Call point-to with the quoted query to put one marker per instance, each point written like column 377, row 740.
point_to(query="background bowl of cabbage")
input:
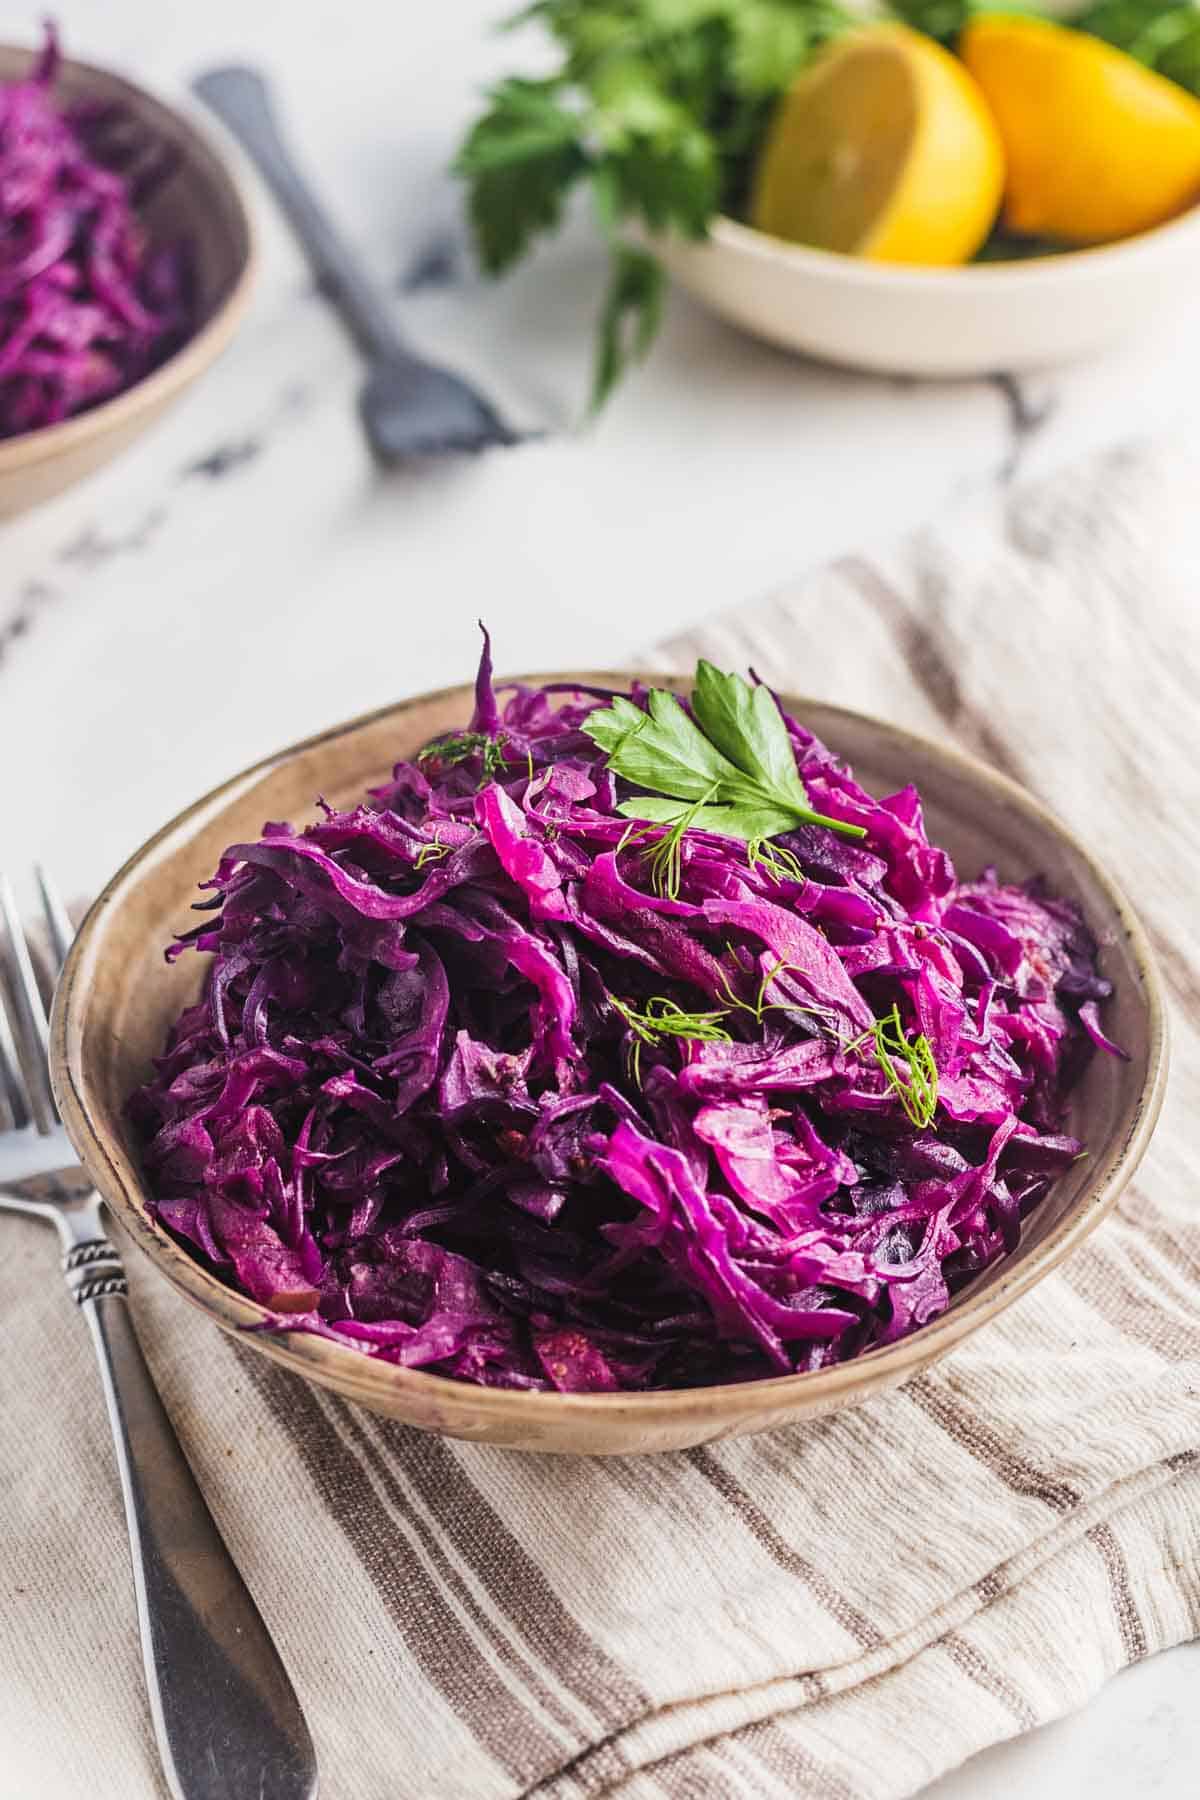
column 200, row 203
column 117, row 998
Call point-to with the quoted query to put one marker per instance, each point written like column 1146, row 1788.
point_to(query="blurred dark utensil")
column 409, row 407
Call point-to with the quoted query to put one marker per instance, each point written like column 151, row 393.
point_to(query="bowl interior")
column 117, row 999
column 198, row 202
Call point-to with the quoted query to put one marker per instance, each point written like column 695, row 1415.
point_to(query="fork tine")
column 59, row 928
column 27, row 1016
column 13, row 1111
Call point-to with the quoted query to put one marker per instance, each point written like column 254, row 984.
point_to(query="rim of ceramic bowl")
column 1079, row 264
column 360, row 1377
column 206, row 344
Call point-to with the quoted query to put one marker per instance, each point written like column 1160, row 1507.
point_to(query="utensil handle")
column 227, row 1721
column 240, row 97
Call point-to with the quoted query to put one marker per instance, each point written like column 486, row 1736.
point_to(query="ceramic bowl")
column 200, row 201
column 117, row 998
column 973, row 320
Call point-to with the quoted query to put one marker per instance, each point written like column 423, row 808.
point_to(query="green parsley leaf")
column 629, row 319
column 520, row 160
column 769, row 44
column 659, row 105
column 731, row 766
column 745, row 723
column 661, row 749
column 747, row 822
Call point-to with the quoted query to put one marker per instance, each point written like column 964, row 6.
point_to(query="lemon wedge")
column 1098, row 147
column 882, row 148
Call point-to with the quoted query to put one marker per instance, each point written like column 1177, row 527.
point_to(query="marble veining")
column 31, row 597
column 1029, row 407
column 93, row 546
column 216, row 464
column 439, row 262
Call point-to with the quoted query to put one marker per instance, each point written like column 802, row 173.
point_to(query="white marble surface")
column 244, row 577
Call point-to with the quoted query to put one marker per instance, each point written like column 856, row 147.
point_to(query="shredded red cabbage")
column 411, row 1111
column 87, row 305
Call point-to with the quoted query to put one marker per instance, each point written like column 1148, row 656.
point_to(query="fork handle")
column 241, row 99
column 227, row 1721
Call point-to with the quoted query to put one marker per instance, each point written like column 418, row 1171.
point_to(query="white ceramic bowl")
column 918, row 321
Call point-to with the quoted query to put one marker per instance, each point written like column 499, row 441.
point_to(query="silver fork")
column 225, row 1716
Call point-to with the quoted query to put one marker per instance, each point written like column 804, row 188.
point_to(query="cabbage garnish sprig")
column 729, row 762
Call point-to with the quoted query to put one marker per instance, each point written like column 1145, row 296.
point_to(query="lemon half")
column 883, row 148
column 1098, row 147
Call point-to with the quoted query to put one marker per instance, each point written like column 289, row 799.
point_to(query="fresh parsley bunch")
column 657, row 107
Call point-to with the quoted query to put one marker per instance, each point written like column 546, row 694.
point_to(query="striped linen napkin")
column 841, row 1610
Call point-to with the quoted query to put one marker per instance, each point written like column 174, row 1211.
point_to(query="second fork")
column 225, row 1716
